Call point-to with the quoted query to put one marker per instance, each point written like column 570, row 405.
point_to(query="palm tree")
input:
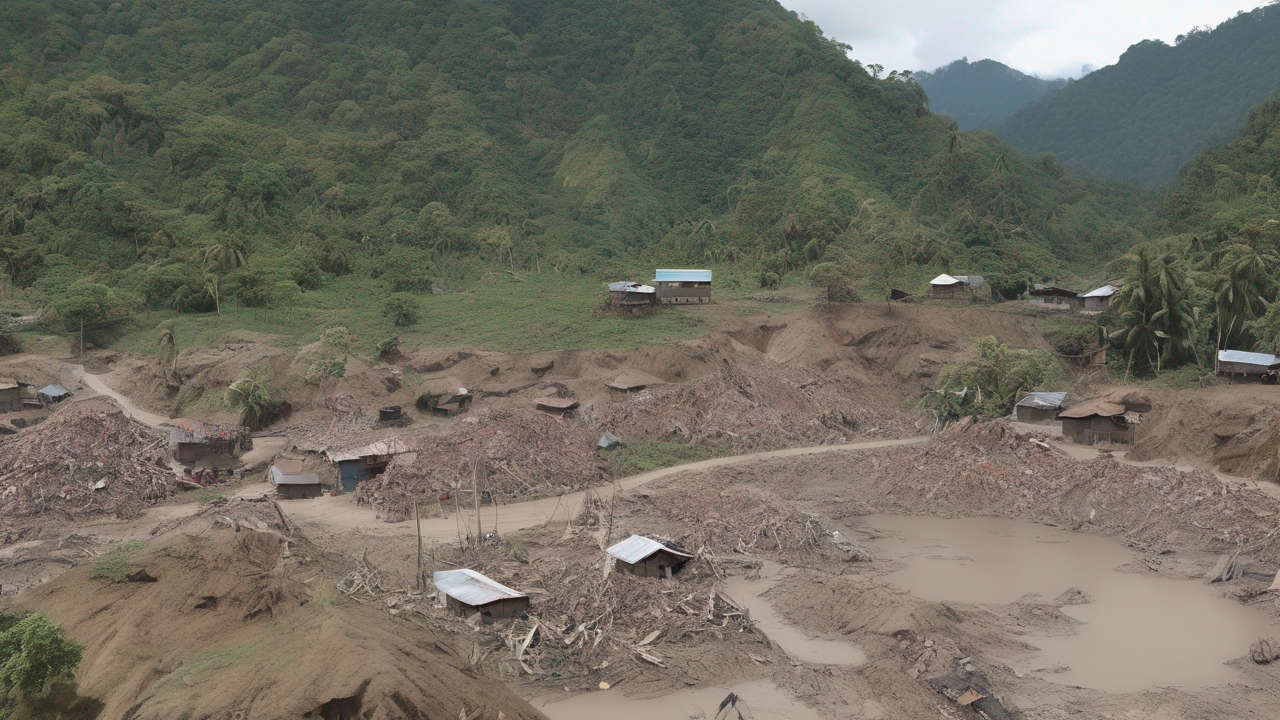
column 251, row 393
column 1157, row 317
column 169, row 348
column 1243, row 290
column 211, row 289
column 225, row 254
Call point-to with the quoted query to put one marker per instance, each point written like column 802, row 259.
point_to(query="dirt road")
column 341, row 514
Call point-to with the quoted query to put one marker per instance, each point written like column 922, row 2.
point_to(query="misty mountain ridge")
column 982, row 93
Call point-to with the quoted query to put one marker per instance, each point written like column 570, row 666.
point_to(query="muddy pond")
column 1140, row 631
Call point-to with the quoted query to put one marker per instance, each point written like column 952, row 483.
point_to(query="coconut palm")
column 211, row 289
column 225, row 254
column 1242, row 291
column 169, row 349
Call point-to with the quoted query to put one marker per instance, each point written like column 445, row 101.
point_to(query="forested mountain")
column 981, row 94
column 252, row 149
column 1148, row 115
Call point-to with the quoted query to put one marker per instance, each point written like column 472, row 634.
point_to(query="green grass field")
column 539, row 312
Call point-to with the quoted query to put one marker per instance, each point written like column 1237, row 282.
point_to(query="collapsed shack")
column 644, row 557
column 192, row 440
column 88, row 459
column 507, row 455
column 469, row 593
column 750, row 408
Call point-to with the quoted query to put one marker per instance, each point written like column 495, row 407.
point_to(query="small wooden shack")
column 1055, row 298
column 627, row 295
column 1098, row 421
column 682, row 286
column 192, row 440
column 10, row 395
column 960, row 287
column 563, row 407
column 467, row 592
column 647, row 558
column 53, row 394
column 1245, row 366
column 1040, row 408
column 294, row 485
column 364, row 461
column 1099, row 299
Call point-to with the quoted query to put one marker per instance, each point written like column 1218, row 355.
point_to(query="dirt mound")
column 751, row 408
column 1235, row 428
column 88, row 459
column 246, row 624
column 519, row 453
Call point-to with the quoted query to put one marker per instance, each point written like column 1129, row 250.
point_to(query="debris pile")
column 86, row 460
column 751, row 408
column 511, row 454
column 744, row 520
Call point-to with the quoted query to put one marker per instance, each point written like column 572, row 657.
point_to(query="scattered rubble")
column 750, row 408
column 509, row 454
column 1265, row 651
column 88, row 459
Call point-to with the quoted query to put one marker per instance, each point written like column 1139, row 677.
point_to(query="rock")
column 1265, row 651
column 1073, row 596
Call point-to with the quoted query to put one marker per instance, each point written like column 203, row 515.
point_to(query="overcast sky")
column 1052, row 38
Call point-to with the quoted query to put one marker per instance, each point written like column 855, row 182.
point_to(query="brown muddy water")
column 797, row 643
column 765, row 700
column 1140, row 631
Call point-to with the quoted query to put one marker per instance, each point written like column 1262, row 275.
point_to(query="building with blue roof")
column 679, row 287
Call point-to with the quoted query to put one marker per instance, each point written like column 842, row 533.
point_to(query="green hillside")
column 224, row 151
column 981, row 94
column 1148, row 115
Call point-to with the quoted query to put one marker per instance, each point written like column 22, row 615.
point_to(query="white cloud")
column 1052, row 38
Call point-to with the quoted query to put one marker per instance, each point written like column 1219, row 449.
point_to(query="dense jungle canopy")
column 170, row 148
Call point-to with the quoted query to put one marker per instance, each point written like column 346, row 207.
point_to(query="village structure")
column 669, row 287
column 468, row 593
column 1239, row 366
column 960, row 287
column 647, row 558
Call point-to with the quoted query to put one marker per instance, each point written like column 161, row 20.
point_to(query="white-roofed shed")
column 643, row 556
column 467, row 592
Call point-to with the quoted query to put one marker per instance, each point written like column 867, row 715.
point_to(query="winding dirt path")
column 341, row 514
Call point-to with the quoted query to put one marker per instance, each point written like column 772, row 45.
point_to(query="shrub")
column 387, row 348
column 769, row 280
column 425, row 402
column 402, row 308
column 34, row 654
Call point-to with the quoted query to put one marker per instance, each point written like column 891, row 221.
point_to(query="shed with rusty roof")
column 646, row 557
column 361, row 462
column 467, row 593
column 1099, row 421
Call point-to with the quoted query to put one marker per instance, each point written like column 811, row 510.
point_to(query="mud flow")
column 796, row 642
column 761, row 699
column 1137, row 631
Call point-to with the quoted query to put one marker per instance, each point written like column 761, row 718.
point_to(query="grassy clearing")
column 540, row 312
column 647, row 455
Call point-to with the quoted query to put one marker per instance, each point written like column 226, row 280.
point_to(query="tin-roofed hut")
column 52, row 394
column 364, row 461
column 631, row 296
column 642, row 556
column 563, row 407
column 467, row 592
column 682, row 286
column 1098, row 421
column 1245, row 366
column 1099, row 299
column 1040, row 408
column 1055, row 298
column 292, row 485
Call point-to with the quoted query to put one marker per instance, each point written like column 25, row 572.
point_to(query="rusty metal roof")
column 637, row 548
column 390, row 446
column 472, row 588
column 8, row 383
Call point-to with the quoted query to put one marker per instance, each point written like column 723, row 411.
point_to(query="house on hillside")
column 1245, row 366
column 1099, row 299
column 467, row 592
column 1099, row 421
column 960, row 287
column 10, row 395
column 1056, row 298
column 364, row 461
column 682, row 286
column 192, row 441
column 647, row 558
column 627, row 295
column 1039, row 407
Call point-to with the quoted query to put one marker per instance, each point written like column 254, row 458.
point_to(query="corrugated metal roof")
column 667, row 275
column 556, row 403
column 391, row 446
column 633, row 287
column 944, row 280
column 8, row 383
column 637, row 548
column 1104, row 291
column 1248, row 358
column 472, row 588
column 1043, row 400
column 55, row 391
column 283, row 478
column 974, row 281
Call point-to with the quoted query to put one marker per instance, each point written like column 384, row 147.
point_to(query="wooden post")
column 81, row 337
column 417, row 525
column 475, row 493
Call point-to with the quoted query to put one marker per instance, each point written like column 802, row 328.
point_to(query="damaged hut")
column 447, row 397
column 958, row 287
column 627, row 295
column 647, row 558
column 1039, row 407
column 192, row 441
column 1099, row 421
column 467, row 592
column 53, row 394
column 364, row 461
